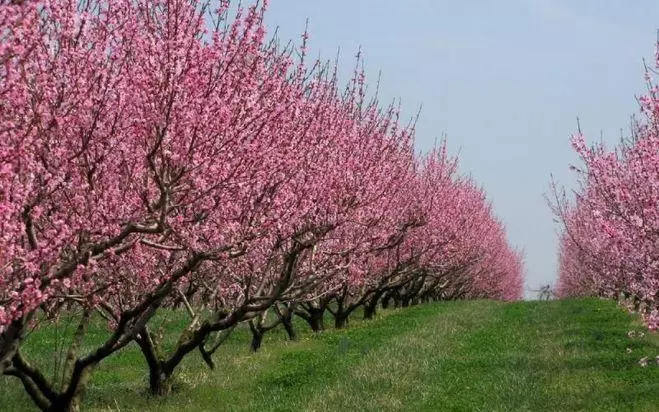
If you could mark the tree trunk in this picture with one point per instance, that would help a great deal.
(371, 306)
(370, 310)
(160, 378)
(9, 341)
(75, 376)
(44, 395)
(71, 400)
(62, 405)
(340, 320)
(160, 384)
(316, 319)
(287, 321)
(257, 339)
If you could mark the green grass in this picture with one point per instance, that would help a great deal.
(455, 356)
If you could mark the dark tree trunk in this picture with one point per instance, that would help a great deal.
(371, 307)
(287, 321)
(67, 403)
(370, 310)
(392, 297)
(285, 316)
(340, 320)
(160, 377)
(316, 319)
(44, 395)
(257, 339)
(257, 334)
(10, 339)
(160, 381)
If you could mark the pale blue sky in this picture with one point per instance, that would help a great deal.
(504, 80)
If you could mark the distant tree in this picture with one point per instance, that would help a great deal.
(545, 292)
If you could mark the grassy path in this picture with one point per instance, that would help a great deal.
(454, 356)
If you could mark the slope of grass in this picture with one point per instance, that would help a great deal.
(484, 355)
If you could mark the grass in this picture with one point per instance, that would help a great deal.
(454, 356)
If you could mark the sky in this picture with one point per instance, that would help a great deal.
(503, 80)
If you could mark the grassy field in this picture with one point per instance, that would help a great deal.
(455, 356)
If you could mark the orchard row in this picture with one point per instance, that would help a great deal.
(610, 243)
(157, 155)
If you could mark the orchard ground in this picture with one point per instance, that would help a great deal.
(464, 355)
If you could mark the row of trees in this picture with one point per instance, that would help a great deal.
(157, 155)
(610, 243)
